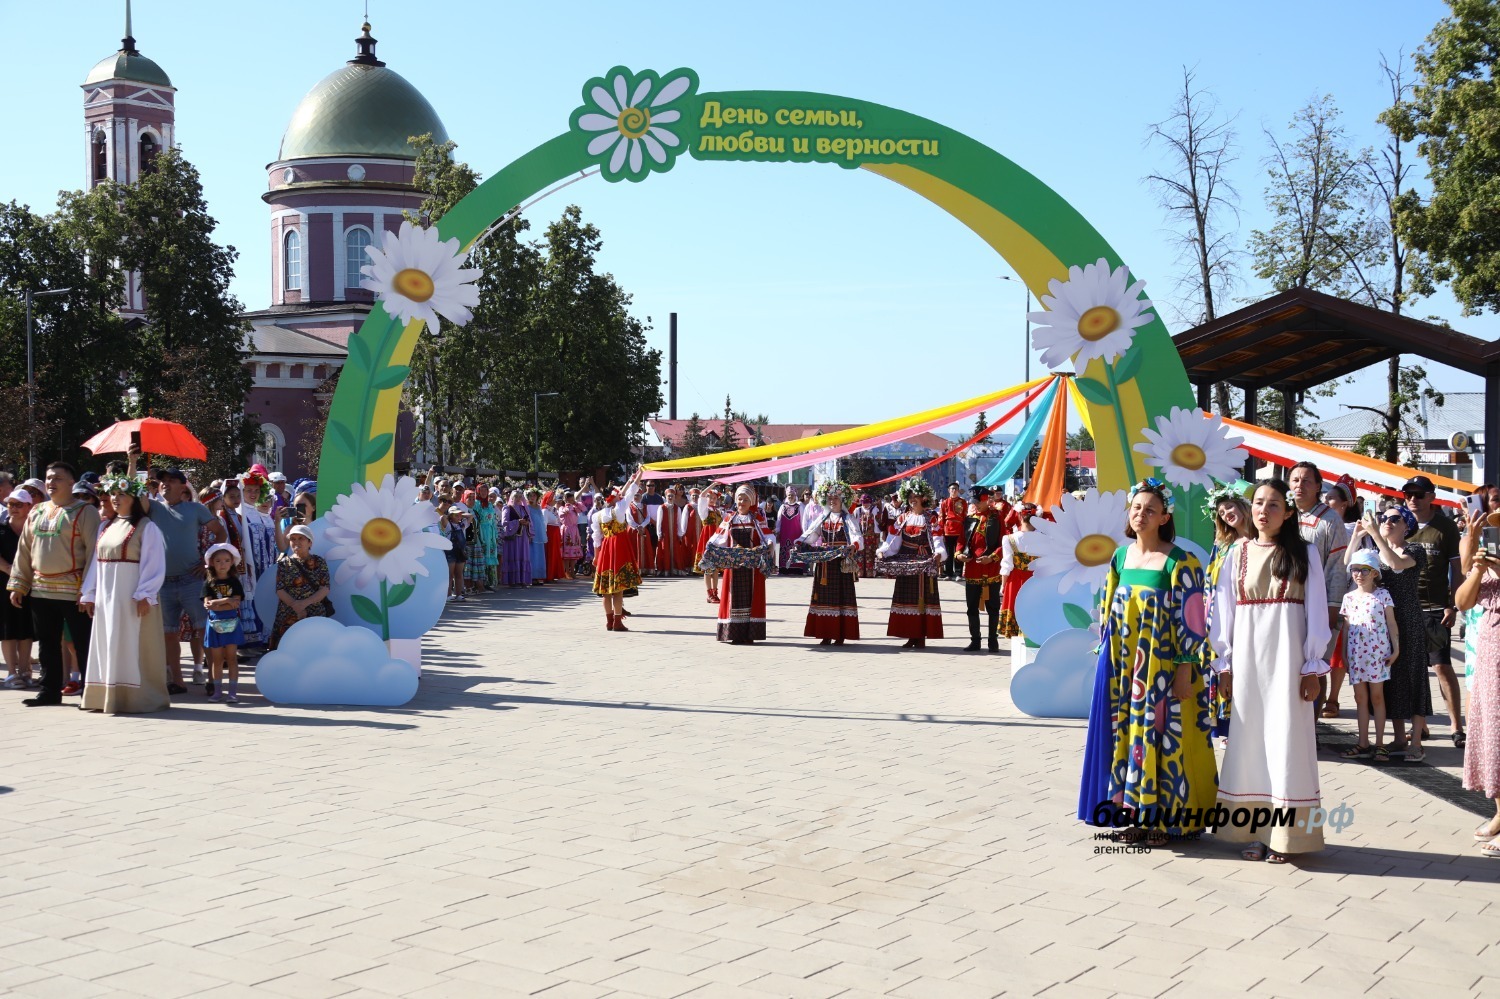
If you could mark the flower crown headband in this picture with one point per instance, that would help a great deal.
(828, 487)
(1156, 486)
(1223, 494)
(914, 486)
(123, 487)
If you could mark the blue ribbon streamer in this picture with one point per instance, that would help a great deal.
(1021, 446)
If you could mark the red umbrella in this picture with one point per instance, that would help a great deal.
(157, 437)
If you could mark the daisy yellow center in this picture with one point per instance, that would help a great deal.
(1098, 322)
(380, 536)
(1189, 456)
(634, 122)
(1094, 549)
(414, 284)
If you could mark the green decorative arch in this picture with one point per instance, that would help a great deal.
(632, 125)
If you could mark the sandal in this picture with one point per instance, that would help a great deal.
(1272, 857)
(1482, 833)
(1359, 753)
(1331, 709)
(1157, 837)
(1490, 850)
(1130, 836)
(1416, 757)
(1460, 739)
(1255, 851)
(1381, 756)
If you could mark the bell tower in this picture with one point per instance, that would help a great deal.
(128, 117)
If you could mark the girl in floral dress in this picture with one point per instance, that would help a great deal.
(1148, 751)
(1370, 647)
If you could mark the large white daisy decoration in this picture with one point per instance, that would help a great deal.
(1094, 313)
(1192, 448)
(381, 533)
(630, 114)
(1080, 541)
(416, 274)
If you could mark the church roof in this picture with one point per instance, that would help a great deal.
(130, 66)
(361, 109)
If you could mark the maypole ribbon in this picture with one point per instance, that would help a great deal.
(942, 414)
(924, 466)
(1046, 486)
(1021, 446)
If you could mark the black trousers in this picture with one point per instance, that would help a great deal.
(48, 616)
(950, 542)
(972, 594)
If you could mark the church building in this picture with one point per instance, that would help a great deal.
(342, 176)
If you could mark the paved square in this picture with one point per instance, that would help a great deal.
(574, 814)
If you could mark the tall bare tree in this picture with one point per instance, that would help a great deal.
(1198, 138)
(1394, 275)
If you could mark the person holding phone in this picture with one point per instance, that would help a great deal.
(1481, 588)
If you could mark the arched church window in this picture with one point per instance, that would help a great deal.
(149, 149)
(291, 261)
(355, 242)
(101, 156)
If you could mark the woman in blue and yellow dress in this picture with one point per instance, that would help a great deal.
(1148, 752)
(1230, 512)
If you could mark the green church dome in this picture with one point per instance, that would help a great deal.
(360, 109)
(128, 64)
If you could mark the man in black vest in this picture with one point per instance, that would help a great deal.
(979, 553)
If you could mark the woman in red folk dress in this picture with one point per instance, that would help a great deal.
(1015, 569)
(833, 614)
(742, 597)
(916, 543)
(615, 571)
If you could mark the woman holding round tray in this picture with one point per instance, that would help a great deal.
(827, 547)
(913, 555)
(741, 549)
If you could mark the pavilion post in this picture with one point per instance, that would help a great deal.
(1492, 422)
(1288, 412)
(1203, 397)
(1252, 417)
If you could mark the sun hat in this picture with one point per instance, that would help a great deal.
(300, 530)
(222, 546)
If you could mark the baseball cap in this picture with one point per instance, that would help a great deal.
(173, 473)
(1418, 484)
(1366, 559)
(276, 477)
(20, 496)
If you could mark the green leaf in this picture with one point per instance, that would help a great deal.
(359, 351)
(1129, 364)
(366, 609)
(376, 448)
(399, 594)
(1077, 616)
(343, 438)
(391, 377)
(1096, 392)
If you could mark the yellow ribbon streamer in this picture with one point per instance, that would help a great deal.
(839, 437)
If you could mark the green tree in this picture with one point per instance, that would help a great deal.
(1081, 440)
(1320, 230)
(693, 441)
(83, 351)
(981, 422)
(186, 360)
(756, 423)
(1451, 112)
(731, 440)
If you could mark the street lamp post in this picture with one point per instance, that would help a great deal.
(536, 430)
(31, 377)
(1026, 350)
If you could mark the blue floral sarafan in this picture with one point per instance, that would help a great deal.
(1150, 753)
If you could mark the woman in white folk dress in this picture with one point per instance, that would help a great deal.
(127, 669)
(1269, 633)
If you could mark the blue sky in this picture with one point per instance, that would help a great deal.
(785, 277)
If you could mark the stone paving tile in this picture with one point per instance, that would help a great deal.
(581, 815)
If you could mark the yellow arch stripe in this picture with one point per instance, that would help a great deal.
(388, 402)
(1036, 265)
(838, 437)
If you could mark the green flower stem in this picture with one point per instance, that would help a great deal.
(385, 613)
(1114, 399)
